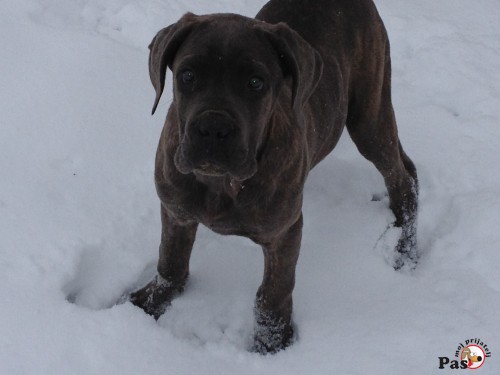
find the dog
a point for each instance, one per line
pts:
(258, 102)
(470, 357)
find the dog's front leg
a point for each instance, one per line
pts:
(273, 306)
(173, 266)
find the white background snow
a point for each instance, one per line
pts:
(79, 216)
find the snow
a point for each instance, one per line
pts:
(79, 221)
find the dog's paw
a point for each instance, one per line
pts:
(272, 336)
(268, 341)
(405, 254)
(399, 248)
(155, 297)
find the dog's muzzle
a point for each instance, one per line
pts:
(212, 146)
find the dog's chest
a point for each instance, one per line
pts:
(223, 214)
(218, 211)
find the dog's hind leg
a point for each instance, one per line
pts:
(372, 126)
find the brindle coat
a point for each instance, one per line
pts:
(257, 104)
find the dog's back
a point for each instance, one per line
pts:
(343, 27)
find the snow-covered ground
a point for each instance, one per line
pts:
(79, 216)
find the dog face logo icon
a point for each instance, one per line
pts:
(474, 355)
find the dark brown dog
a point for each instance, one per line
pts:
(258, 103)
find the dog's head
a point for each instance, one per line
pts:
(228, 71)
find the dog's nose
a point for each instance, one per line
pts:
(214, 125)
(214, 129)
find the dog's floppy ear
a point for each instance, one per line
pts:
(163, 48)
(298, 59)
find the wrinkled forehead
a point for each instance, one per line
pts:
(227, 40)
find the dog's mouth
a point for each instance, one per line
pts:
(239, 168)
(210, 170)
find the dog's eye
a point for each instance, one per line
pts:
(187, 76)
(256, 84)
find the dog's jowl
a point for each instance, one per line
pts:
(258, 102)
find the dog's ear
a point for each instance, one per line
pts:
(163, 48)
(298, 59)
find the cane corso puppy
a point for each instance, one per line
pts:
(258, 102)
